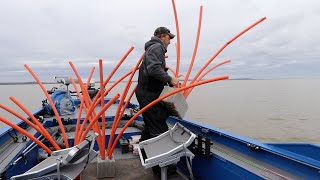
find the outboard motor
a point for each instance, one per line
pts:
(63, 102)
(61, 98)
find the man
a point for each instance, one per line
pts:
(152, 78)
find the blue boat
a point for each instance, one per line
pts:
(212, 154)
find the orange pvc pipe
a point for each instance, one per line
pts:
(95, 119)
(82, 105)
(24, 132)
(117, 82)
(128, 101)
(121, 103)
(46, 134)
(125, 91)
(178, 36)
(209, 70)
(113, 85)
(117, 66)
(86, 99)
(195, 48)
(124, 94)
(204, 74)
(76, 137)
(90, 76)
(223, 47)
(158, 100)
(65, 139)
(96, 99)
(88, 104)
(22, 118)
(75, 87)
(113, 71)
(169, 68)
(86, 87)
(103, 118)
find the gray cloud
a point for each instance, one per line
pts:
(47, 34)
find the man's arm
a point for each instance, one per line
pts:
(155, 58)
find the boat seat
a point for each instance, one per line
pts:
(63, 164)
(167, 149)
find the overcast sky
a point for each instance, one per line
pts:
(47, 34)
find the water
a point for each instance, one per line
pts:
(265, 110)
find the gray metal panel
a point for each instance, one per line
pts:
(11, 150)
(69, 172)
(162, 145)
(61, 160)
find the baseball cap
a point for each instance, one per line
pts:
(163, 30)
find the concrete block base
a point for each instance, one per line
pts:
(106, 168)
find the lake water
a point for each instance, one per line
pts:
(265, 110)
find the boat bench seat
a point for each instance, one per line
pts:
(167, 149)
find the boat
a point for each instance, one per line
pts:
(212, 153)
(88, 135)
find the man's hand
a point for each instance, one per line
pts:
(174, 81)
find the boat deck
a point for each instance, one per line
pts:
(128, 166)
(251, 164)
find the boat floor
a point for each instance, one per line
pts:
(128, 167)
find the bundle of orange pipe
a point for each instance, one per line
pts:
(119, 114)
(88, 105)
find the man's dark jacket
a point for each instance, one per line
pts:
(152, 78)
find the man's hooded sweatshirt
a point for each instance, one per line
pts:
(152, 78)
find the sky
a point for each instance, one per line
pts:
(47, 34)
